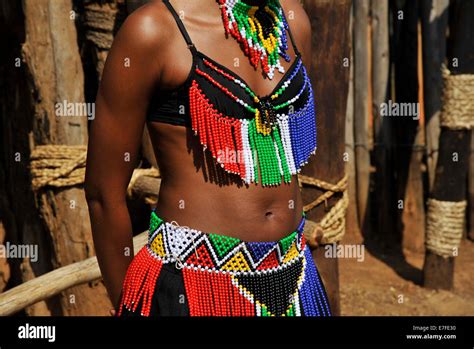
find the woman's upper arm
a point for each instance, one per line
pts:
(131, 72)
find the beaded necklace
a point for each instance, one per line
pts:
(261, 30)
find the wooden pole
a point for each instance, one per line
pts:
(4, 266)
(352, 221)
(146, 186)
(413, 214)
(101, 20)
(406, 131)
(47, 64)
(361, 110)
(65, 211)
(56, 281)
(18, 213)
(452, 167)
(434, 21)
(470, 206)
(382, 150)
(132, 5)
(449, 185)
(331, 48)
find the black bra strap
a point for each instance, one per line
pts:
(180, 25)
(297, 52)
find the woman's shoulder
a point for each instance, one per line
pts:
(148, 27)
(297, 17)
(137, 55)
(300, 26)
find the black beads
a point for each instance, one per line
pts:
(267, 112)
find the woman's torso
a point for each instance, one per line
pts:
(194, 191)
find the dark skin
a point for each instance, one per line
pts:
(150, 53)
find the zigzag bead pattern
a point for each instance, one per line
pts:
(225, 276)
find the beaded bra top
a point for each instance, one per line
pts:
(263, 139)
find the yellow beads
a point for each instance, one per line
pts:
(252, 25)
(157, 246)
(268, 44)
(291, 254)
(261, 128)
(237, 262)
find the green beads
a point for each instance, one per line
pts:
(266, 164)
(155, 222)
(223, 244)
(264, 311)
(286, 242)
(281, 151)
(290, 311)
(268, 149)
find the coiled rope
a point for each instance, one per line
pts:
(446, 219)
(331, 228)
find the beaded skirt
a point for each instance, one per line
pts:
(183, 271)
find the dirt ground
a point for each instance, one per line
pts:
(388, 284)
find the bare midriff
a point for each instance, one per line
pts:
(197, 193)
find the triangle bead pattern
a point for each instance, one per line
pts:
(225, 276)
(170, 243)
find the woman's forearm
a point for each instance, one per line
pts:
(115, 137)
(113, 240)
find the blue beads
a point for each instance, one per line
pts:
(302, 126)
(313, 297)
(302, 223)
(259, 249)
(284, 40)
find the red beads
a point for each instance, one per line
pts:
(140, 282)
(214, 82)
(212, 293)
(225, 18)
(220, 133)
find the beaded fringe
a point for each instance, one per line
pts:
(213, 294)
(209, 293)
(140, 282)
(219, 294)
(224, 276)
(240, 149)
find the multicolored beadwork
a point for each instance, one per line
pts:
(261, 30)
(272, 147)
(225, 276)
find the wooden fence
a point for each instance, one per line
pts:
(382, 106)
